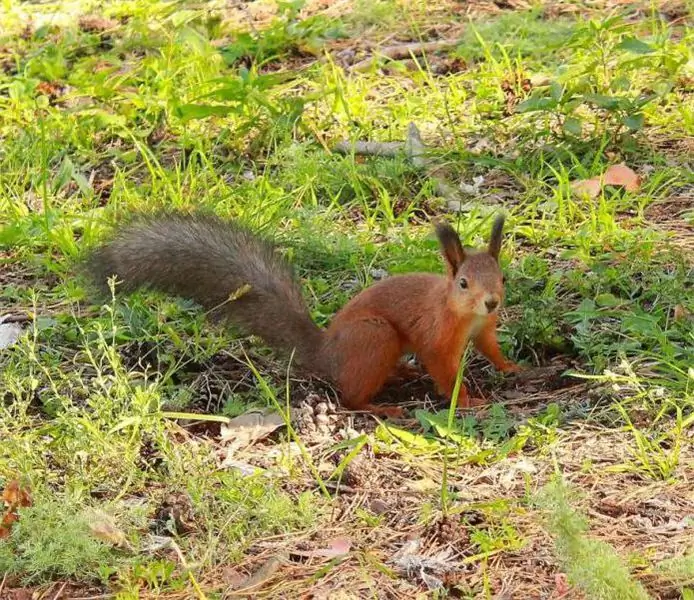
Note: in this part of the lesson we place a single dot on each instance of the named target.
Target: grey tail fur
(233, 273)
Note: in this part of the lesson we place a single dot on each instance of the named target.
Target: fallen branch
(403, 51)
(416, 152)
(389, 149)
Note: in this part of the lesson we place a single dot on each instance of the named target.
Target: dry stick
(415, 151)
(403, 51)
(16, 318)
(370, 148)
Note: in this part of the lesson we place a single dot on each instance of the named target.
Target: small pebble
(378, 506)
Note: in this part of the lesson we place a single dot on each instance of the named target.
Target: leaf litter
(617, 175)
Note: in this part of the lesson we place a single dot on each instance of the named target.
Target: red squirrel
(237, 275)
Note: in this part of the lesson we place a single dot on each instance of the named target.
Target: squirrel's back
(230, 271)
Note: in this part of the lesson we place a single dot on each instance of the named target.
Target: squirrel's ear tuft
(451, 247)
(495, 238)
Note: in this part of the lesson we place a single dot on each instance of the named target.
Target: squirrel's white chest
(475, 326)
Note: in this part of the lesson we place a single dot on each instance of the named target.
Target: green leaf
(606, 102)
(439, 423)
(202, 111)
(535, 104)
(195, 416)
(635, 46)
(127, 422)
(620, 84)
(411, 439)
(573, 125)
(607, 300)
(634, 122)
(556, 91)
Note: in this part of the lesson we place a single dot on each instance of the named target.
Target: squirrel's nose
(491, 304)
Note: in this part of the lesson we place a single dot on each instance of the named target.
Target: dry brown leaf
(423, 485)
(20, 594)
(337, 547)
(562, 584)
(249, 427)
(104, 528)
(232, 577)
(587, 187)
(618, 175)
(49, 88)
(623, 176)
(265, 572)
(96, 24)
(681, 313)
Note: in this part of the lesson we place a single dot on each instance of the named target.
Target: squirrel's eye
(462, 283)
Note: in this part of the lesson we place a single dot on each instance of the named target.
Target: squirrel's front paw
(511, 367)
(387, 410)
(475, 402)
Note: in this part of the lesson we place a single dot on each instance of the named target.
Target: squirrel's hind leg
(366, 353)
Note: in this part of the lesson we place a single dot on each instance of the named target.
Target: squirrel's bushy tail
(227, 269)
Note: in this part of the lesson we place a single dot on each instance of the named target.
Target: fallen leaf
(681, 313)
(378, 506)
(423, 485)
(587, 187)
(618, 175)
(336, 547)
(49, 88)
(246, 469)
(425, 567)
(249, 427)
(156, 543)
(20, 594)
(623, 176)
(472, 188)
(232, 577)
(561, 584)
(96, 24)
(9, 334)
(265, 572)
(104, 528)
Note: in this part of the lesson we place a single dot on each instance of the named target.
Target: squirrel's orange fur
(433, 316)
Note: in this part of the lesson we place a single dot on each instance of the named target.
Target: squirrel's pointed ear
(451, 247)
(495, 238)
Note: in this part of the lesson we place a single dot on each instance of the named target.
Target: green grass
(592, 565)
(181, 106)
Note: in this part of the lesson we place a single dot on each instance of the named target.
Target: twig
(176, 548)
(370, 148)
(403, 51)
(263, 574)
(60, 591)
(16, 318)
(414, 150)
